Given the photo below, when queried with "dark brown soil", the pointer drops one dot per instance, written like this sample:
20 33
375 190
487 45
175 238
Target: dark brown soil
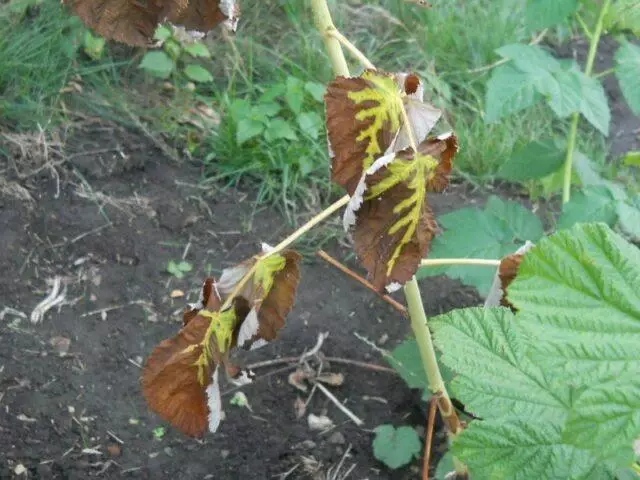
122 212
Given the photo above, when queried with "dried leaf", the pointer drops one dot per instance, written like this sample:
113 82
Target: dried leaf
393 222
176 293
333 379
365 120
300 407
134 22
266 298
505 274
297 379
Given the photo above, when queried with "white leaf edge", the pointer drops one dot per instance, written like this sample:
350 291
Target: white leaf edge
214 402
495 292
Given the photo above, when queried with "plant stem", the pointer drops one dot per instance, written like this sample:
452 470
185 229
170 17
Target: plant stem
434 262
604 73
352 49
325 25
594 40
428 354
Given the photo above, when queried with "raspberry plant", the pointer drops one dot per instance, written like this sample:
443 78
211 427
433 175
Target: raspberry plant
548 367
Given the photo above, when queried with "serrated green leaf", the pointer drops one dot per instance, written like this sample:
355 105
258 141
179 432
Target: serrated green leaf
264 111
541 14
248 129
295 94
593 204
198 74
608 411
277 129
239 108
316 90
310 123
407 361
197 50
578 295
529 58
274 92
594 106
510 90
158 64
628 73
497 231
396 447
629 217
567 99
624 15
495 377
524 450
532 161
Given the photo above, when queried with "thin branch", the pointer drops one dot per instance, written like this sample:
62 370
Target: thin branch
535 41
345 361
431 420
337 403
361 57
346 270
435 262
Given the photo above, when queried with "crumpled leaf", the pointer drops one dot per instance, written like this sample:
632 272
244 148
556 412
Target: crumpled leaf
180 378
266 298
134 22
365 120
505 274
393 223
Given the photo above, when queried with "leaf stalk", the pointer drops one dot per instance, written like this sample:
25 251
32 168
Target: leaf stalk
594 40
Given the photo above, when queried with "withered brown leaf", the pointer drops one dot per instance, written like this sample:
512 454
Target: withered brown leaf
134 21
389 211
365 120
505 274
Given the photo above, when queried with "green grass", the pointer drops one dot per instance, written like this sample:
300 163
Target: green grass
276 40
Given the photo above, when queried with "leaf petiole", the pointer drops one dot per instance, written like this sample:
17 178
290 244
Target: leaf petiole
361 57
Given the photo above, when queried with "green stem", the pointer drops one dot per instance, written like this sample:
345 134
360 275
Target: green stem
324 24
420 328
594 40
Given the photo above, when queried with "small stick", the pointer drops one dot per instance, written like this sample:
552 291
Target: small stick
321 338
344 269
345 361
115 437
53 299
115 307
431 420
344 409
435 262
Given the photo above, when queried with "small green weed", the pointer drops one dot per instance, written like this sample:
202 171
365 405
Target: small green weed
179 269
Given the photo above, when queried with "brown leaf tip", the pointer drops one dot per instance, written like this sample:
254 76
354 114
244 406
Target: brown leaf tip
505 275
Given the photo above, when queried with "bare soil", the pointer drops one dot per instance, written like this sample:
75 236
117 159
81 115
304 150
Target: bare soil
106 215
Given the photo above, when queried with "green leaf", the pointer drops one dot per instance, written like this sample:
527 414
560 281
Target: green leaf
264 111
495 377
497 231
593 204
578 293
279 128
529 58
445 466
541 14
524 450
197 50
608 411
629 217
567 98
632 158
295 94
185 266
158 64
310 123
396 447
239 109
407 361
624 15
316 90
248 129
510 90
628 73
594 105
93 45
198 74
162 33
534 160
274 92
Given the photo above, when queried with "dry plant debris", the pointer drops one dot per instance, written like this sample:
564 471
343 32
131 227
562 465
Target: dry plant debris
134 22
